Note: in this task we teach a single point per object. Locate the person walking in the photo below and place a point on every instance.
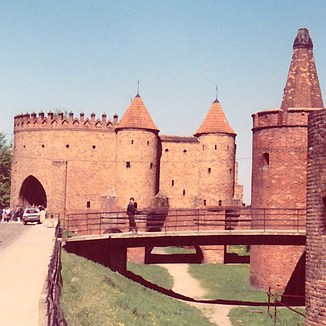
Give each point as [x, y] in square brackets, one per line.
[131, 211]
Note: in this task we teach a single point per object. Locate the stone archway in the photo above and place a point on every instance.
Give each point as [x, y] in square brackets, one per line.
[32, 193]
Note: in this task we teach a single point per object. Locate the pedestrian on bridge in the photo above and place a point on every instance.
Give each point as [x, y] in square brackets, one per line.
[131, 211]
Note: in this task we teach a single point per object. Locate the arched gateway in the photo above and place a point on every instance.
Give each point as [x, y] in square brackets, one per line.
[32, 193]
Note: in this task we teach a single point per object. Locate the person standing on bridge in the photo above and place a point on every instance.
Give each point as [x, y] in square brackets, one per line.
[131, 211]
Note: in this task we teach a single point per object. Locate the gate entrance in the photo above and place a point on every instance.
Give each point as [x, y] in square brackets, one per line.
[32, 193]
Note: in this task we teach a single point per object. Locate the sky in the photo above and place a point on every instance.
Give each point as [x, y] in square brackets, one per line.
[88, 56]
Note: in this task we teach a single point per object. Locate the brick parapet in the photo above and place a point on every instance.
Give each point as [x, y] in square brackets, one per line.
[293, 117]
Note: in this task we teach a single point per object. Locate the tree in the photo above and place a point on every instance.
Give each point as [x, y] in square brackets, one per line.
[5, 171]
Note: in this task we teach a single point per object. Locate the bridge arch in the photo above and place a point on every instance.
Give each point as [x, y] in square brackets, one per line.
[32, 192]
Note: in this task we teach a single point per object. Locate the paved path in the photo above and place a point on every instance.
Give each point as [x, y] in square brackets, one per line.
[23, 270]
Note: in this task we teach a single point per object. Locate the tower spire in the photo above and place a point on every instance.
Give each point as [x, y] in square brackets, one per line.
[138, 89]
[302, 88]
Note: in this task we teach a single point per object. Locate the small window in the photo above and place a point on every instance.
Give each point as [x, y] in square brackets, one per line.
[215, 147]
[266, 158]
[147, 142]
[203, 147]
[220, 203]
[132, 141]
[209, 170]
[128, 165]
[185, 151]
[183, 192]
[166, 150]
[151, 166]
[172, 183]
[88, 204]
[94, 147]
[204, 202]
[43, 146]
[67, 146]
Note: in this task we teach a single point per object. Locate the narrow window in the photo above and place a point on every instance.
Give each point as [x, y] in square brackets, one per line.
[183, 192]
[67, 146]
[220, 203]
[151, 166]
[204, 202]
[88, 204]
[215, 147]
[166, 149]
[209, 170]
[43, 146]
[93, 146]
[266, 158]
[203, 147]
[128, 165]
[172, 183]
[185, 151]
[132, 141]
[147, 142]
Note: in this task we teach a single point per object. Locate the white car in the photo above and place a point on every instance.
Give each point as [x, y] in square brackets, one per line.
[31, 214]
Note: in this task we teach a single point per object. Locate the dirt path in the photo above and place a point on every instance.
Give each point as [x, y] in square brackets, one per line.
[23, 270]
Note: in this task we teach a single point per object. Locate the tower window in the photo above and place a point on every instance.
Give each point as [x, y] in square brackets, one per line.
[204, 202]
[166, 150]
[88, 204]
[185, 151]
[203, 147]
[209, 170]
[266, 158]
[128, 165]
[93, 146]
[132, 141]
[220, 203]
[147, 142]
[172, 183]
[215, 147]
[151, 166]
[67, 146]
[183, 192]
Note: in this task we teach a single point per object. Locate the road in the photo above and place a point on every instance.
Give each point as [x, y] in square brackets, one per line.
[25, 253]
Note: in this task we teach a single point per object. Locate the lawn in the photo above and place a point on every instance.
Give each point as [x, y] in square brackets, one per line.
[95, 296]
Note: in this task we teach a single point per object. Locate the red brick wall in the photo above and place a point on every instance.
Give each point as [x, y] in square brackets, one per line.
[316, 222]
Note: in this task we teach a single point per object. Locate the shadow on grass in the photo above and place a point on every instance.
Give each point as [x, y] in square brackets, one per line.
[138, 279]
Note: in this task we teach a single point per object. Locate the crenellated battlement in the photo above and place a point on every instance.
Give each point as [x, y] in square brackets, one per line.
[65, 121]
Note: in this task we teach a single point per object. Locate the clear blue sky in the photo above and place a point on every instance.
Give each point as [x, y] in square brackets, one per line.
[88, 56]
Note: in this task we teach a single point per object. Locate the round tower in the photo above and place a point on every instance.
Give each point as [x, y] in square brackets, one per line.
[279, 166]
[216, 159]
[137, 158]
[316, 221]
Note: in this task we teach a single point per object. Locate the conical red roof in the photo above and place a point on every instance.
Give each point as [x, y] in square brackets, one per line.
[215, 122]
[302, 88]
[137, 116]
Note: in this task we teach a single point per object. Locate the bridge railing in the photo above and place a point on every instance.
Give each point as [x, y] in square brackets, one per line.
[182, 220]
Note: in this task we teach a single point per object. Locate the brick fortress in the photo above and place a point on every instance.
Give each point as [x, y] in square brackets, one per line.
[71, 164]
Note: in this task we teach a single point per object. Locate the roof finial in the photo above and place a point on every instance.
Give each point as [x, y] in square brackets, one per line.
[216, 100]
[138, 89]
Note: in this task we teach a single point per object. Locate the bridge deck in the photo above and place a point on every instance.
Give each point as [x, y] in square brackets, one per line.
[209, 237]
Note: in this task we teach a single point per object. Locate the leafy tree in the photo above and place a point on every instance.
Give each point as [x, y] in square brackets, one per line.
[5, 171]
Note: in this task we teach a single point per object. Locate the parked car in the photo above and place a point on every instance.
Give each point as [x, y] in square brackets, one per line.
[31, 214]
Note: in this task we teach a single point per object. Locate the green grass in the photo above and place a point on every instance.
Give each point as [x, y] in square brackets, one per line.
[240, 250]
[95, 296]
[257, 316]
[153, 273]
[230, 282]
[180, 250]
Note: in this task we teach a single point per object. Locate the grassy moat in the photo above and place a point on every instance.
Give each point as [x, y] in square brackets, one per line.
[94, 295]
